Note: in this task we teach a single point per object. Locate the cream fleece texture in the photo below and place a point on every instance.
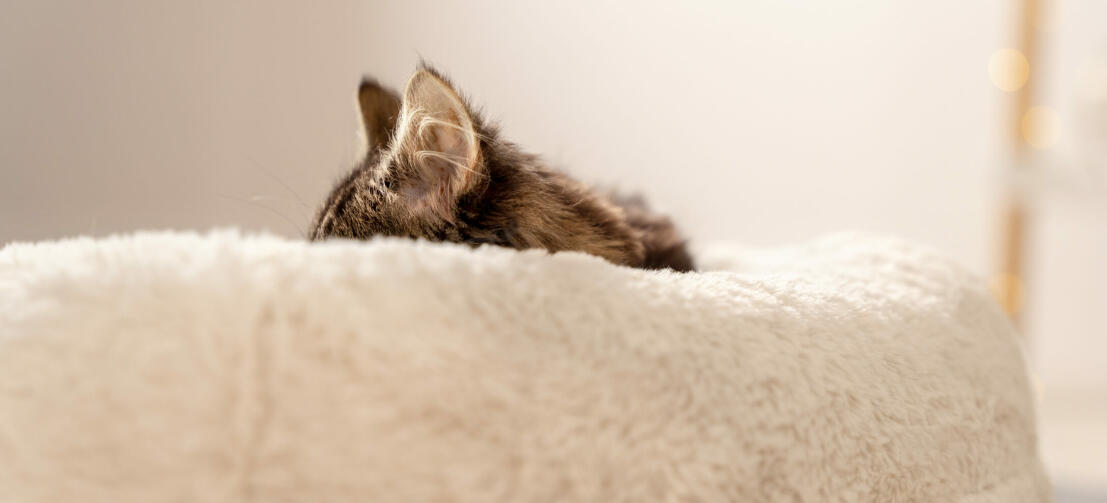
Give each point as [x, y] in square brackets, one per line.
[228, 368]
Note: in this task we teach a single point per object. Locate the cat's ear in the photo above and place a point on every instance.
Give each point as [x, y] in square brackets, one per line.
[438, 145]
[380, 108]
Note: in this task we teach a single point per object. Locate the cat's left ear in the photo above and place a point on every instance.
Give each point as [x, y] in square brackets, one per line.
[438, 144]
[379, 109]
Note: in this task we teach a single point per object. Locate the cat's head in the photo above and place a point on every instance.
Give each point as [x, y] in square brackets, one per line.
[435, 170]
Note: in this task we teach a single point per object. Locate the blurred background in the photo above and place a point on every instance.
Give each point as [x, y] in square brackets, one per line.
[974, 127]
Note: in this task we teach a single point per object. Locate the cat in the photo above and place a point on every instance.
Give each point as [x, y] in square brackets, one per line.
[436, 170]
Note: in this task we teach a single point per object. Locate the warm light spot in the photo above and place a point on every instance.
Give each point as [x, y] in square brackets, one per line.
[1008, 290]
[1008, 69]
[1041, 126]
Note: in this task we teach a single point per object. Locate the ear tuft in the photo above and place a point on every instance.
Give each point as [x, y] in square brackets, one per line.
[438, 141]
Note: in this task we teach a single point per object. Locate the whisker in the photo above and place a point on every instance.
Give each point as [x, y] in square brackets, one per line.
[253, 201]
[428, 121]
[258, 166]
[421, 154]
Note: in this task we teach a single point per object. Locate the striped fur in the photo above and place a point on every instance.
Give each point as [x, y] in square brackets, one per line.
[436, 170]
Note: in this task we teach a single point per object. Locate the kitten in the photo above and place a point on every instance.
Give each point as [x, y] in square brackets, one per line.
[436, 170]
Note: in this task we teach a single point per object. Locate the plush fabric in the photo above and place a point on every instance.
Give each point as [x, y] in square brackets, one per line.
[228, 368]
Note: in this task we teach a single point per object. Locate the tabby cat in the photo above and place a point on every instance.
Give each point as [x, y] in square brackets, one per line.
[436, 170]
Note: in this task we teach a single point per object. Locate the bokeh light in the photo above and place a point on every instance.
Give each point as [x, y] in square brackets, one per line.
[1041, 127]
[1008, 69]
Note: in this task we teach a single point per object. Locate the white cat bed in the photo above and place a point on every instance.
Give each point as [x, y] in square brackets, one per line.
[180, 367]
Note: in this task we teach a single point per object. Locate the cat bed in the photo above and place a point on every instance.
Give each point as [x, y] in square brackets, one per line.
[222, 367]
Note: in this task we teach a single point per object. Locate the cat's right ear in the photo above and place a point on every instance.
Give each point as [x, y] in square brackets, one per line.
[379, 109]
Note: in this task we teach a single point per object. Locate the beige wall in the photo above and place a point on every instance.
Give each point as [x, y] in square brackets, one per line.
[760, 121]
[126, 115]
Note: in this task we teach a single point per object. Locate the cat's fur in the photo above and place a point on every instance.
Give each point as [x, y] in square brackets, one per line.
[436, 170]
